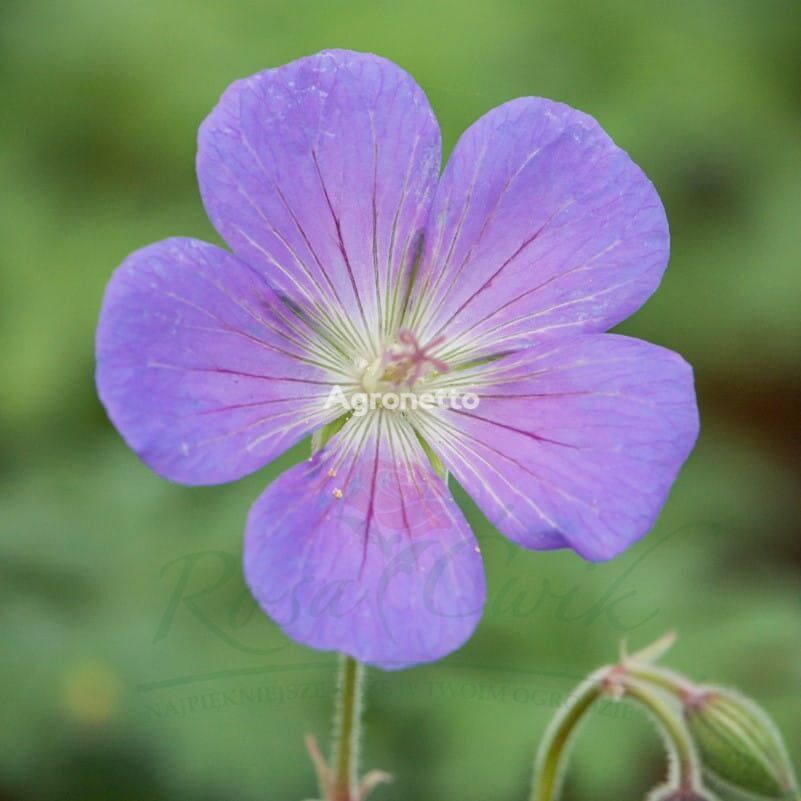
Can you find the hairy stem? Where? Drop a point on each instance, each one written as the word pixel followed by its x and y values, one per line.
pixel 672 726
pixel 347 725
pixel 615 682
pixel 551 756
pixel 667 680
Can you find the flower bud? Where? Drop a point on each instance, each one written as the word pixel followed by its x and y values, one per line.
pixel 738 744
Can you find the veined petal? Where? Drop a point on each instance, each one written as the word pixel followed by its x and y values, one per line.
pixel 540 226
pixel 320 173
pixel 202 369
pixel 574 443
pixel 362 550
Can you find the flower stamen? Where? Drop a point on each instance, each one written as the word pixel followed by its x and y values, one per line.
pixel 403 363
pixel 409 361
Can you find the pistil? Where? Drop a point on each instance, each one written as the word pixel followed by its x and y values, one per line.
pixel 403 363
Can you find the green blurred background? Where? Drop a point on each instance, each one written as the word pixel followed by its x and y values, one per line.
pixel 132 662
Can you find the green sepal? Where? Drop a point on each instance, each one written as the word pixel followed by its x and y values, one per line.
pixel 436 462
pixel 322 435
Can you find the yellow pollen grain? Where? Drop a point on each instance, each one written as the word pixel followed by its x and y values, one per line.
pixel 337 493
pixel 331 472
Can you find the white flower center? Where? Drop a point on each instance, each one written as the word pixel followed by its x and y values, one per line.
pixel 402 365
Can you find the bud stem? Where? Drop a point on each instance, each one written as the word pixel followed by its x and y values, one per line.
pixel 615 682
pixel 548 767
pixel 672 683
pixel 347 728
pixel 673 728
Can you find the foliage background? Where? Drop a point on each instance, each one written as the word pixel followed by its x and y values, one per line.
pixel 112 689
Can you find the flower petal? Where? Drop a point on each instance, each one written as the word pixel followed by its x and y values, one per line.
pixel 203 371
pixel 574 442
pixel 362 550
pixel 540 226
pixel 320 174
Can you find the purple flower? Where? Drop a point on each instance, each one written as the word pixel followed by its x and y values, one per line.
pixel 356 266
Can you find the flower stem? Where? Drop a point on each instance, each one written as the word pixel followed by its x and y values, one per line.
pixel 673 727
pixel 615 682
pixel 347 726
pixel 667 680
pixel 548 770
